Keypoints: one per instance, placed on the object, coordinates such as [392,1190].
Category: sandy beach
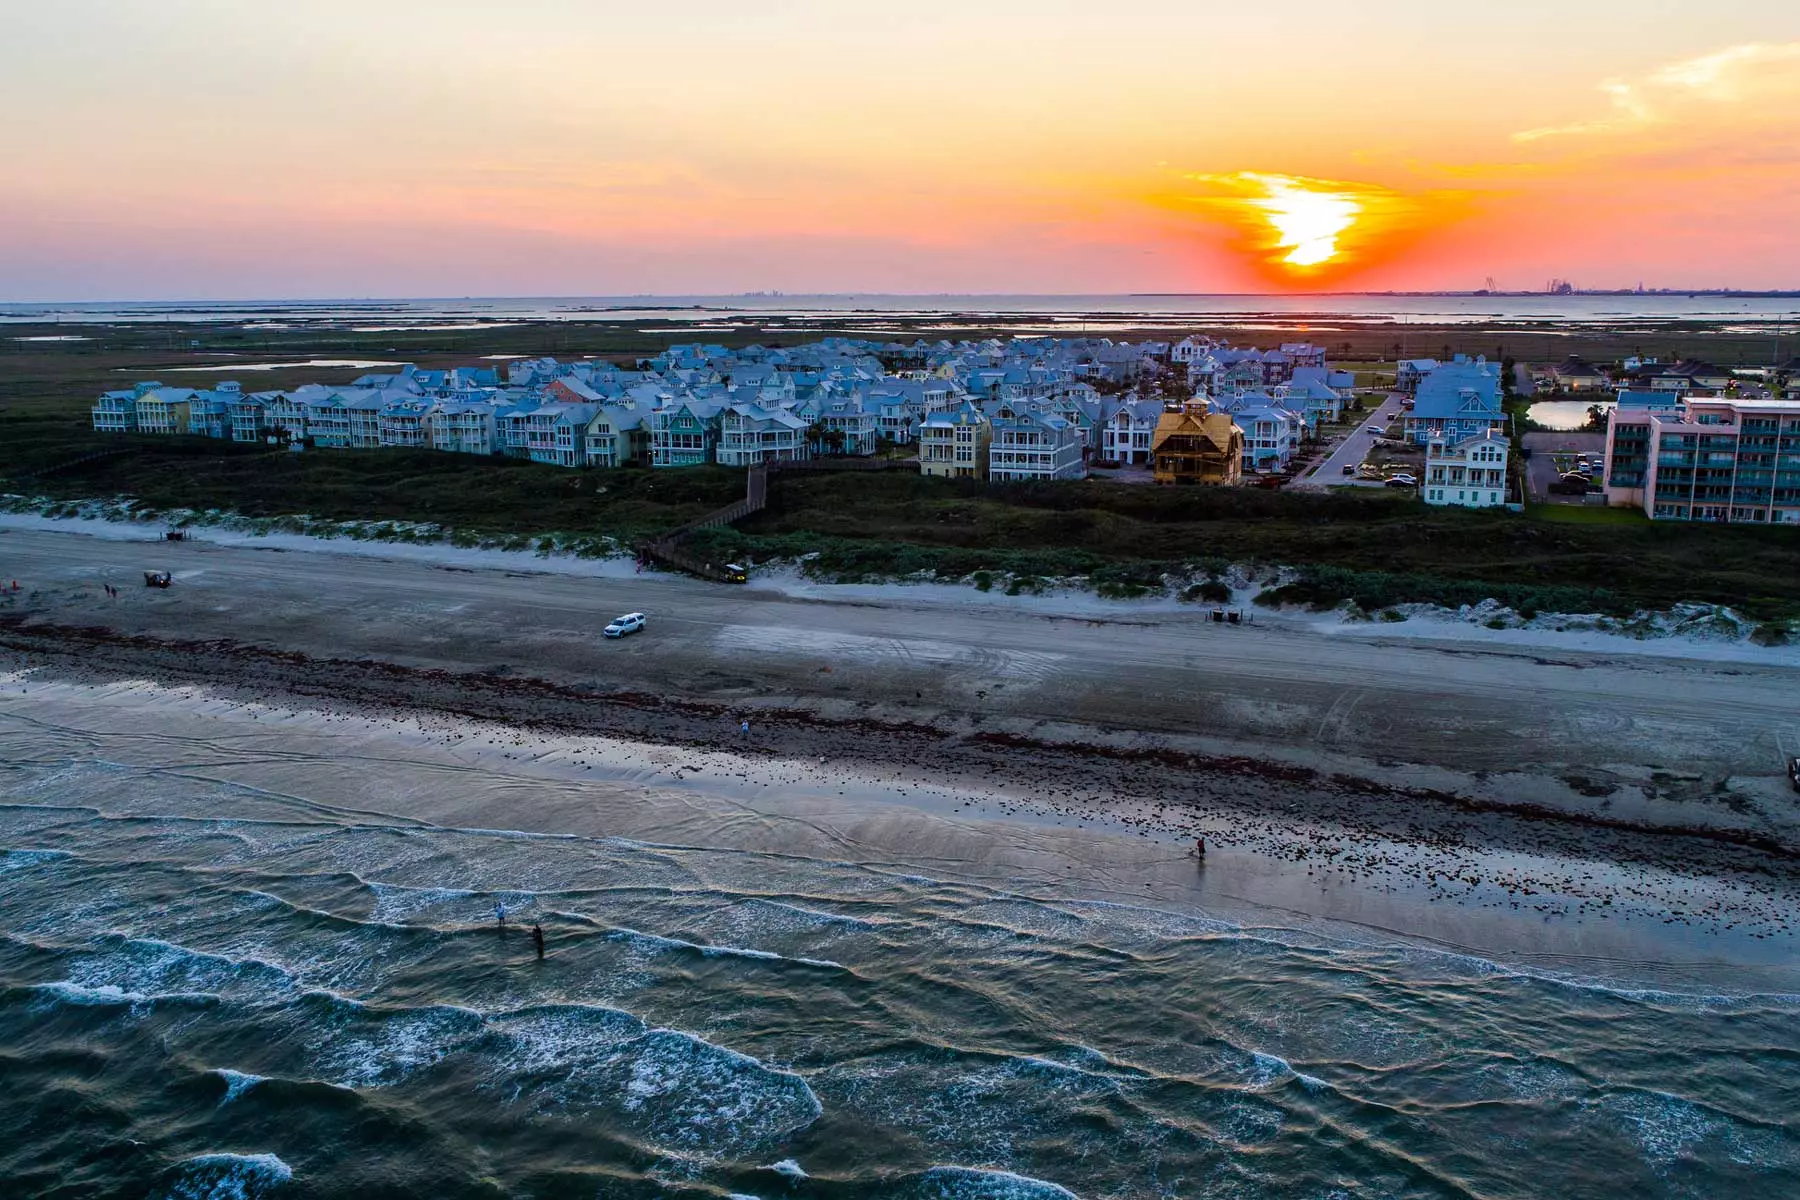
[1550,805]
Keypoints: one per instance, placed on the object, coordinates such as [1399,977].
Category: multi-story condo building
[1707,460]
[1468,474]
[954,444]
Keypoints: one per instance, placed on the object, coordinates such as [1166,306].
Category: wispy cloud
[1758,71]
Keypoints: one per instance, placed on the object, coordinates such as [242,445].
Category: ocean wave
[656,941]
[106,995]
[973,1183]
[226,1176]
[236,1082]
[18,860]
[693,1092]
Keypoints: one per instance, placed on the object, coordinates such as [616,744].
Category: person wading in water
[537,939]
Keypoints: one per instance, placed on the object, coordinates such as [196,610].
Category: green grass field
[1374,546]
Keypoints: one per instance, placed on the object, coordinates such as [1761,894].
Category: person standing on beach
[1200,848]
[744,727]
[537,939]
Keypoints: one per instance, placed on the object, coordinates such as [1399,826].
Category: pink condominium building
[1707,460]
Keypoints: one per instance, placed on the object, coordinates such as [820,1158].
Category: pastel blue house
[1457,401]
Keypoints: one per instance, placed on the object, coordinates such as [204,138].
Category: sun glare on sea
[1307,223]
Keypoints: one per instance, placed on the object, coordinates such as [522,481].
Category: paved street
[1353,450]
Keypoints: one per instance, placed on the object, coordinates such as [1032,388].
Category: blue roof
[1458,390]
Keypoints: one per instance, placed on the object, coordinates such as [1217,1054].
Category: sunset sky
[222,149]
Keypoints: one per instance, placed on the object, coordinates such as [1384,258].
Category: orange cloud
[1768,74]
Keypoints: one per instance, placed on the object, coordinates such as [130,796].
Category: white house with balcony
[1034,445]
[1128,429]
[1470,473]
[406,424]
[750,434]
[462,427]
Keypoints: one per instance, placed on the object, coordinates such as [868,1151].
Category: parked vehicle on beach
[629,623]
[1794,773]
[158,579]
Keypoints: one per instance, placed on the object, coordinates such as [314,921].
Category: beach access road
[1685,730]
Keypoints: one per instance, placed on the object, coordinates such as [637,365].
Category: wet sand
[1671,865]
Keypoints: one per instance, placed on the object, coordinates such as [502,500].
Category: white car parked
[629,623]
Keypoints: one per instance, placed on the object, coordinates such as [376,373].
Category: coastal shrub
[1770,633]
[1321,588]
[1392,615]
[984,581]
[1213,591]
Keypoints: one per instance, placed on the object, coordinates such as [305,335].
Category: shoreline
[1549,891]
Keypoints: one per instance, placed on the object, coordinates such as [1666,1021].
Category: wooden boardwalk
[668,550]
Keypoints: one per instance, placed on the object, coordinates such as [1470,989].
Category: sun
[1306,223]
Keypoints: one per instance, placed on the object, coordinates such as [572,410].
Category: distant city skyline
[195,149]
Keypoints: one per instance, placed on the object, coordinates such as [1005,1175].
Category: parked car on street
[1349,468]
[629,623]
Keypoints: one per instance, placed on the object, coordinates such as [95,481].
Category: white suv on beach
[629,623]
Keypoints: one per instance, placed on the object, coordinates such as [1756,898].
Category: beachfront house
[249,416]
[1034,445]
[683,434]
[1196,445]
[617,436]
[750,434]
[116,412]
[955,443]
[1470,473]
[406,423]
[209,412]
[1128,430]
[163,410]
[462,427]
